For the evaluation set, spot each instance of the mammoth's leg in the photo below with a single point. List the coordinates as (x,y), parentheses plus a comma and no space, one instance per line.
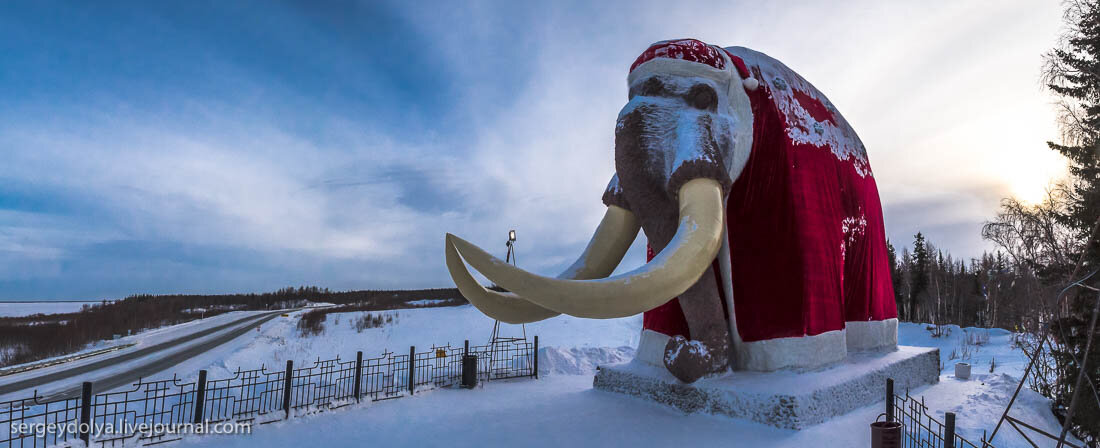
(708,351)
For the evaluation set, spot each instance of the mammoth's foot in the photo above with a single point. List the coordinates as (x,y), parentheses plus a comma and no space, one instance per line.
(689,360)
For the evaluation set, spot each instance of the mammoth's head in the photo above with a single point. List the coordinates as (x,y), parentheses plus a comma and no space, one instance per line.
(688,116)
(681,140)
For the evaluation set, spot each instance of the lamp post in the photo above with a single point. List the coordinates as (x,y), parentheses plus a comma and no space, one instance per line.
(495,339)
(511,256)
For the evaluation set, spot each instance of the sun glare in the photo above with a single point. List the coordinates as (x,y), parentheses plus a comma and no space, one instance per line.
(1030,184)
(1030,191)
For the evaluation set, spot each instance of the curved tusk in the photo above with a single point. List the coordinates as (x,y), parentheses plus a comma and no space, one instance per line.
(672,272)
(505,307)
(609,244)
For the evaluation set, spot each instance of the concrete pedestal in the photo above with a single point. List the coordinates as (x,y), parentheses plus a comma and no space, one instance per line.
(785,399)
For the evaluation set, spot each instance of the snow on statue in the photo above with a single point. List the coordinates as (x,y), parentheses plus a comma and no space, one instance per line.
(759,204)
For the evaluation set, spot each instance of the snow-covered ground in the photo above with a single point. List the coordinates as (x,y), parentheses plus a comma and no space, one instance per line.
(279,340)
(16,309)
(562,409)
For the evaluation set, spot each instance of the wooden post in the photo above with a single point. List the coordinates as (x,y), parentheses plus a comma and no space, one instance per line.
(465,353)
(949,430)
(889,399)
(200,397)
(358,373)
(85,428)
(286,386)
(412,369)
(536,373)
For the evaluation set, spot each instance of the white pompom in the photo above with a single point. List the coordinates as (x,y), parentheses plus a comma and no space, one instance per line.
(750,84)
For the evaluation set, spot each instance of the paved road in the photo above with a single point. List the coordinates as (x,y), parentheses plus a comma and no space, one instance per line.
(145,370)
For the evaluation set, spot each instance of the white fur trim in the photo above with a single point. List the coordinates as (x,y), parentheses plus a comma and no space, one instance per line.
(677,67)
(806,352)
(872,334)
(740,107)
(651,348)
(750,84)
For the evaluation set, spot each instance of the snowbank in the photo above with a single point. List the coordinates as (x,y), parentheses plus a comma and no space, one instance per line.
(581,360)
(279,340)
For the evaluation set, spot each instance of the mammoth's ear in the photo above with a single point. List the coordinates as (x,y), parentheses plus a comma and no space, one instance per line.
(613,194)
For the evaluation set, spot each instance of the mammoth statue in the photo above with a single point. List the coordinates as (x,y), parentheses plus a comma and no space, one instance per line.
(766,242)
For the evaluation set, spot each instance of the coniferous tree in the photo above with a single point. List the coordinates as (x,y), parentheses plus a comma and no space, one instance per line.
(921,262)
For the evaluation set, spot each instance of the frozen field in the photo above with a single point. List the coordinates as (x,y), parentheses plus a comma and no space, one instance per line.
(15,309)
(279,340)
(562,409)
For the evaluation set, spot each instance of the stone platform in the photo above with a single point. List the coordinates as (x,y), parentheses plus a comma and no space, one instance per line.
(785,399)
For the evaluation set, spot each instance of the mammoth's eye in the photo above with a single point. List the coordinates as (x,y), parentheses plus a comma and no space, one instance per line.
(652,87)
(702,96)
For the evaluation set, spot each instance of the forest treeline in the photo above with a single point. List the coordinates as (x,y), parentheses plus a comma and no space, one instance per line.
(31,338)
(933,286)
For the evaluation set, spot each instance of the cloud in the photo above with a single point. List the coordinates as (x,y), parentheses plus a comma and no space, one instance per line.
(222,149)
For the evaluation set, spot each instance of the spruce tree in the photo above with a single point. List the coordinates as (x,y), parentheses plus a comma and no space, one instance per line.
(921,261)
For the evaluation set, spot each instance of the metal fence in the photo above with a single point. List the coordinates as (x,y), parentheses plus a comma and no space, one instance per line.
(155,411)
(919,429)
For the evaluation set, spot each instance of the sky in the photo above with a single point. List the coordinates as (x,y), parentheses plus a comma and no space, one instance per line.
(216,147)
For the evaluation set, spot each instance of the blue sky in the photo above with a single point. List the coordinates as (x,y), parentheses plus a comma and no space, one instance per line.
(208,147)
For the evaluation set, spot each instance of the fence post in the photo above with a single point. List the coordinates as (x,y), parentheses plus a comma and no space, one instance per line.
(85,427)
(536,356)
(890,399)
(286,386)
(412,369)
(358,373)
(949,430)
(200,397)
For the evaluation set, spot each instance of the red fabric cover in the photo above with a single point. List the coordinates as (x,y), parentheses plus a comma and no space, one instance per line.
(742,69)
(807,241)
(687,49)
(668,318)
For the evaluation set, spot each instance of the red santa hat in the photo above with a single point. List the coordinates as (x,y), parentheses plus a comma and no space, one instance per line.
(691,57)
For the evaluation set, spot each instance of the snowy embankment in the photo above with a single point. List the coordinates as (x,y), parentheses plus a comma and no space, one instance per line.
(562,409)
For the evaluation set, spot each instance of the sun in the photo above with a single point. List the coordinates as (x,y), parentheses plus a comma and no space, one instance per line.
(1032,191)
(1031,175)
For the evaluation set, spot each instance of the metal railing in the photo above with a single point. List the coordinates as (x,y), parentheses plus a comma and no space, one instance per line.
(919,429)
(152,411)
